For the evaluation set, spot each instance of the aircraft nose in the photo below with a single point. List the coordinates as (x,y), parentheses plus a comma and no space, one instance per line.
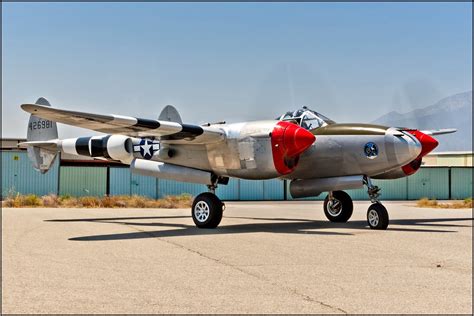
(296,140)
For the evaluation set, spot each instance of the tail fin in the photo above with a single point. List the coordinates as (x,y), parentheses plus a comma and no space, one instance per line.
(170,114)
(40,132)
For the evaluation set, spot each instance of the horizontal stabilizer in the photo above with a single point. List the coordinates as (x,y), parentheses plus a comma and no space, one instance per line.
(52,144)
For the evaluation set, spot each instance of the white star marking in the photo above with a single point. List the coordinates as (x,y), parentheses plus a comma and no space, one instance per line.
(146,148)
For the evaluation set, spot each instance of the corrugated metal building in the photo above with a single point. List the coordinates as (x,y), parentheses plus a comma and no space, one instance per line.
(83,181)
(91,177)
(19,176)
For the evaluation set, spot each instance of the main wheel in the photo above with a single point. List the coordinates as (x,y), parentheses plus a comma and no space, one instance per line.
(339,209)
(207,210)
(377,216)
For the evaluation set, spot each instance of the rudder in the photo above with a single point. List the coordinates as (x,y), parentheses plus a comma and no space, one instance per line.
(41,130)
(170,114)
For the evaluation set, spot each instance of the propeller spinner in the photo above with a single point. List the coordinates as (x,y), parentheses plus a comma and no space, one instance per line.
(288,142)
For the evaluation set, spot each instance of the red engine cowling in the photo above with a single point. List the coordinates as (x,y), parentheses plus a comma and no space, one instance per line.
(288,142)
(428,143)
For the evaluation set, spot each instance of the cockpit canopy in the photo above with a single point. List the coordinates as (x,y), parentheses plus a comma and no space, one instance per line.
(306,118)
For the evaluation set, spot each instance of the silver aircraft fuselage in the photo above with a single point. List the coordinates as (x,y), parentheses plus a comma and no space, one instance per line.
(338,150)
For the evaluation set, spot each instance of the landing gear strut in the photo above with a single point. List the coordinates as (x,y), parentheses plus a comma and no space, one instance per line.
(207,209)
(377,215)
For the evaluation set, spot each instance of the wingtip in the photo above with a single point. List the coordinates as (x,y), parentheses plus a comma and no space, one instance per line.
(33,107)
(28,107)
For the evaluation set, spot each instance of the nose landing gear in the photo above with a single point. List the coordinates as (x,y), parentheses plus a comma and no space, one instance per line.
(377,215)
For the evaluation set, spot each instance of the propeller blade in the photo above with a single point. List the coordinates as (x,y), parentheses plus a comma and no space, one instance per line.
(440,131)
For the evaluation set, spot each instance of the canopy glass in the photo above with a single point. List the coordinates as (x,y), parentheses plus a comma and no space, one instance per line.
(306,118)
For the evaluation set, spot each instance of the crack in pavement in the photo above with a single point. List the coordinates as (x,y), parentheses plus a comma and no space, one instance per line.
(257,276)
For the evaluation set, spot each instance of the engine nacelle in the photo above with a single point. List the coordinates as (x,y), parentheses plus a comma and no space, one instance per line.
(114,147)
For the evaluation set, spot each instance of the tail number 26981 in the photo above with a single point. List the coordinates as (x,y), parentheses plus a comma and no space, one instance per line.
(41,124)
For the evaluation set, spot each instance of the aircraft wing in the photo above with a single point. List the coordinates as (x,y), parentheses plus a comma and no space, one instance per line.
(440,131)
(170,132)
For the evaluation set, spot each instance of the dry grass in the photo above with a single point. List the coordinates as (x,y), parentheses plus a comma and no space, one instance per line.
(425,202)
(18,200)
(125,201)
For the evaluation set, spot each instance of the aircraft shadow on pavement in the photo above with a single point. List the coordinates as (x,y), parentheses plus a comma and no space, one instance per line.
(259,224)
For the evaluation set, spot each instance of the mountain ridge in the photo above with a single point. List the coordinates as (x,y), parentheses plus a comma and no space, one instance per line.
(454,111)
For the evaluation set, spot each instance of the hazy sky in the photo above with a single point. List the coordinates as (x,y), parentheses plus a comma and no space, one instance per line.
(232,61)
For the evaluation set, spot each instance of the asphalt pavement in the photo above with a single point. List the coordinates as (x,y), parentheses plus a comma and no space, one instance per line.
(265,257)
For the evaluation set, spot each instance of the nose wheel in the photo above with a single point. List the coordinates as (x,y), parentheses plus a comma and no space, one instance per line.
(377,215)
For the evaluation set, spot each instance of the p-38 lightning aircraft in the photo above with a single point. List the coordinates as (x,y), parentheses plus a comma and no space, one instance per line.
(310,150)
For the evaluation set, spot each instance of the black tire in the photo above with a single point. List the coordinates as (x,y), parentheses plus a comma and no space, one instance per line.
(207,210)
(340,210)
(377,216)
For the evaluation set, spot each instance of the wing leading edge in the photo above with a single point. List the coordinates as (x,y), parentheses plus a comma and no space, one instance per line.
(127,125)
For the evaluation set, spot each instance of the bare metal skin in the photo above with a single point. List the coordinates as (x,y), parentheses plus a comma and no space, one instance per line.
(315,153)
(246,153)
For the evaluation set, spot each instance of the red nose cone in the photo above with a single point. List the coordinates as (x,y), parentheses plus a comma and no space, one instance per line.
(288,142)
(428,143)
(296,139)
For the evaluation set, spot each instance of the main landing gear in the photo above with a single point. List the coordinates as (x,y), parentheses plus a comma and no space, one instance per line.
(338,207)
(207,209)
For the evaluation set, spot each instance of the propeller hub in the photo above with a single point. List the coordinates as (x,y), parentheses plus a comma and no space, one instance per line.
(428,143)
(288,142)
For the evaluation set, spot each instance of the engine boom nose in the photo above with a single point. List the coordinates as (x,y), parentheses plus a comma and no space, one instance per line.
(288,142)
(296,140)
(428,143)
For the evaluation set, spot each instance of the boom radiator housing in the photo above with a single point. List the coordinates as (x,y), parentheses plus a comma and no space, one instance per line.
(169,171)
(314,187)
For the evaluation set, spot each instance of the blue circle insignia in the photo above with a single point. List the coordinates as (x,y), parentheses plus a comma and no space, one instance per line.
(371,150)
